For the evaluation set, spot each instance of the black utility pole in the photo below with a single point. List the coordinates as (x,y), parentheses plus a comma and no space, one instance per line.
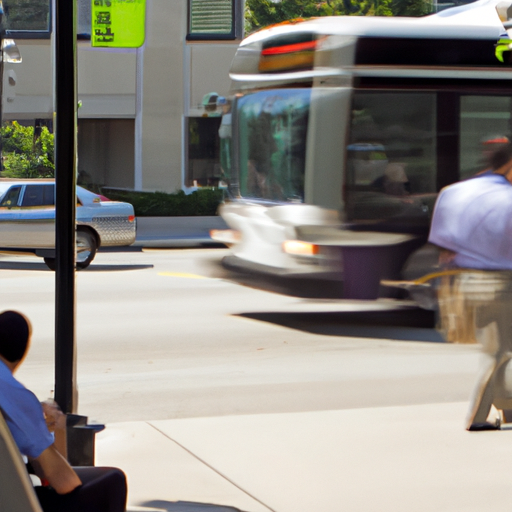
(2,36)
(65,203)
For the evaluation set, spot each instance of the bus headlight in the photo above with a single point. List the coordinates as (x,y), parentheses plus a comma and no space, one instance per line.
(299,248)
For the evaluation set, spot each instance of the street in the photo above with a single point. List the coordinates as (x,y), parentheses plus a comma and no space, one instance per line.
(161,334)
(220,397)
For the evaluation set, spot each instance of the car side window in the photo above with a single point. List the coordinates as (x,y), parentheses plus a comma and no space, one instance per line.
(11,197)
(39,195)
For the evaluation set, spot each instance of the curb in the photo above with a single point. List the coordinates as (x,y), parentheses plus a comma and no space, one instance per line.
(177,231)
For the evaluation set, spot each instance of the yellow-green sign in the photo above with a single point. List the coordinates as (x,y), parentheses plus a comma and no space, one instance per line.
(118,23)
(503,45)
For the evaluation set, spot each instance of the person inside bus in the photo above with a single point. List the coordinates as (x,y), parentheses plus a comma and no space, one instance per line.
(394,181)
(39,431)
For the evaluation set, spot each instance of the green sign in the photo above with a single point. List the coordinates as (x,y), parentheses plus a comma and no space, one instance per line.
(118,23)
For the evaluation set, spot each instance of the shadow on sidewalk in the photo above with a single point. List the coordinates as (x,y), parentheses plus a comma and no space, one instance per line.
(114,268)
(407,325)
(25,265)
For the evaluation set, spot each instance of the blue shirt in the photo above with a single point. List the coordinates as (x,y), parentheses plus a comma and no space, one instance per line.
(473,218)
(24,415)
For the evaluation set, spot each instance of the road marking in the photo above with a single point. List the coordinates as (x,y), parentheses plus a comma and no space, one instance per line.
(181,274)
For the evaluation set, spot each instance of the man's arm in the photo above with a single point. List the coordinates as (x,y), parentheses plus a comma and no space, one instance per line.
(56,423)
(52,464)
(54,468)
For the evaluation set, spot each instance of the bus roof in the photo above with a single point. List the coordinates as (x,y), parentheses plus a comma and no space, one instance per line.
(478,20)
(462,37)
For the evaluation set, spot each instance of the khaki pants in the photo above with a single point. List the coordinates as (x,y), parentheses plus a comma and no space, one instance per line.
(456,321)
(486,303)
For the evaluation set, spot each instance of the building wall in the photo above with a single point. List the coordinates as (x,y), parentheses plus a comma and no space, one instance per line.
(106,82)
(159,119)
(29,93)
(153,89)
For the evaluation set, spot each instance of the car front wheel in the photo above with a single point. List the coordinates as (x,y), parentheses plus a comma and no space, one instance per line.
(86,247)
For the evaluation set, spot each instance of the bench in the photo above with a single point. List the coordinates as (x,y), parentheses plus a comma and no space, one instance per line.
(16,490)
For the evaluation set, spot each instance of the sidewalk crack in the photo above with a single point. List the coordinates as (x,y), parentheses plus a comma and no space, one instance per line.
(212,468)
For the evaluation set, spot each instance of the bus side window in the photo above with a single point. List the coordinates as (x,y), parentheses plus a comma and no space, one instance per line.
(391,156)
(482,119)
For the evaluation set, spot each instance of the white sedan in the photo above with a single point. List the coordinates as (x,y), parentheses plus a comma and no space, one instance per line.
(27,221)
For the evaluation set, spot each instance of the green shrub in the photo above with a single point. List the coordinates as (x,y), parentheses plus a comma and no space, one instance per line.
(202,202)
(27,154)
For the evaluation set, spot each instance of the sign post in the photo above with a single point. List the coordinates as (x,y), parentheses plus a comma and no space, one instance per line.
(65,204)
(117,24)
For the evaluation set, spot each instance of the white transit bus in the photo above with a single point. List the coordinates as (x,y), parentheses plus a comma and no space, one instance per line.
(344,129)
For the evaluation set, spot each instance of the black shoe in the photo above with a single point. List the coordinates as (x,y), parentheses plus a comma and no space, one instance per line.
(476,427)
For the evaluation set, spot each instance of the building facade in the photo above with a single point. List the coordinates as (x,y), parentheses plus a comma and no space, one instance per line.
(143,122)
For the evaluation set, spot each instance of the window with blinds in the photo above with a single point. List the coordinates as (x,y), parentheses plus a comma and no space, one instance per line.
(211,19)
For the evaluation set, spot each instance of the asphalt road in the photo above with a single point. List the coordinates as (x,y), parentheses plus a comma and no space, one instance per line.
(164,334)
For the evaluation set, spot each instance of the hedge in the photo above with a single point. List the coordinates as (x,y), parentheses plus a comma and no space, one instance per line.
(202,202)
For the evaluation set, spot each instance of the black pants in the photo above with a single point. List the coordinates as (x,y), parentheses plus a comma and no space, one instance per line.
(102,490)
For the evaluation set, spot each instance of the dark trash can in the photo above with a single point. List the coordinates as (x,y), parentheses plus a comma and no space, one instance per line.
(81,440)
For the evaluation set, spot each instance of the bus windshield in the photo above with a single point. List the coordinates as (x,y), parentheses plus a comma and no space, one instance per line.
(272,131)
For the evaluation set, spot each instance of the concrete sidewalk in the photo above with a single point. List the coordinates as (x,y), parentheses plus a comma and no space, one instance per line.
(408,458)
(176,231)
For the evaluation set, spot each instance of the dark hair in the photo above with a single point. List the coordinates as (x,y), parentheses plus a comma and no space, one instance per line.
(14,335)
(501,156)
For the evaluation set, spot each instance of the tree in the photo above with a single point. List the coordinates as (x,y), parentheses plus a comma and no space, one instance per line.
(27,151)
(261,13)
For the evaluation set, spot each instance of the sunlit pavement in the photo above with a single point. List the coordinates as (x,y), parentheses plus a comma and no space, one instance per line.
(218,396)
(410,458)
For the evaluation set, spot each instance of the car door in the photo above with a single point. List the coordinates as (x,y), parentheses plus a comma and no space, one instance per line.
(27,216)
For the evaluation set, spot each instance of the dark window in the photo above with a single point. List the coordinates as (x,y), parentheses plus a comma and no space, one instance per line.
(27,18)
(388,51)
(39,195)
(484,120)
(204,161)
(391,173)
(214,19)
(404,146)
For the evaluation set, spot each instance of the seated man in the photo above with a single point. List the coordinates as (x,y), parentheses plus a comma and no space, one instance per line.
(88,489)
